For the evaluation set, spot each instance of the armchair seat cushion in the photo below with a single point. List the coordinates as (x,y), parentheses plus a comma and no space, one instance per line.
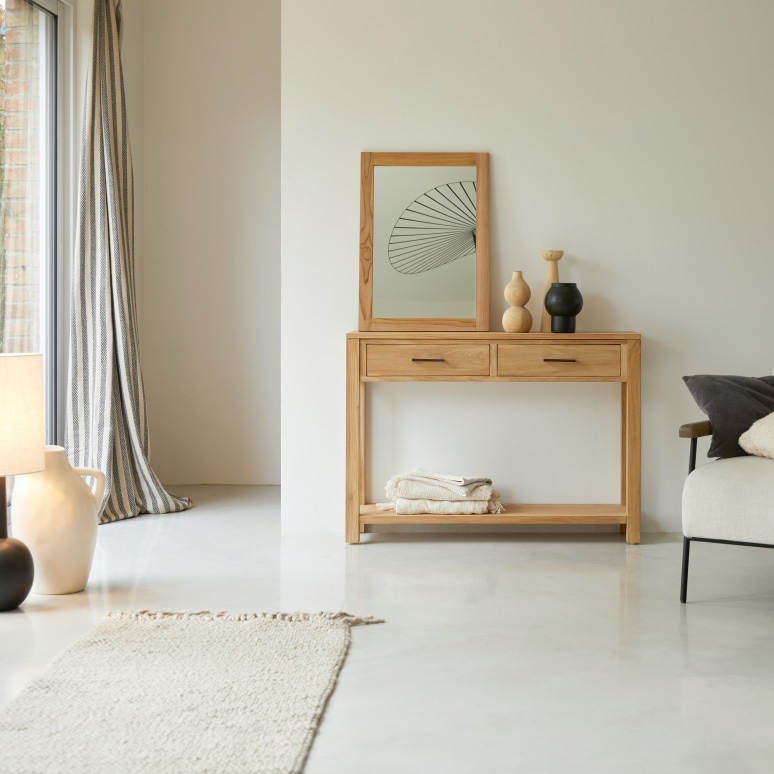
(731,499)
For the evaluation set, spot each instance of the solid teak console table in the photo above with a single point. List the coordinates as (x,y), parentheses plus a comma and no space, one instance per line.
(496,357)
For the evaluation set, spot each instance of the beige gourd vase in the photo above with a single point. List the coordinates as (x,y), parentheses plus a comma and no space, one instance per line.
(55,513)
(517,318)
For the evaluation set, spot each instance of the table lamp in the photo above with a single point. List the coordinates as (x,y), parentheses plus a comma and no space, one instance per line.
(21,451)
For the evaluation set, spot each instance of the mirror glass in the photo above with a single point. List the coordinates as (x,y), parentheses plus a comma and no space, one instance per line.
(424,254)
(424,242)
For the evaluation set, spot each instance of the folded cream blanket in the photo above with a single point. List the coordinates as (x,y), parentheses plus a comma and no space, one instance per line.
(415,488)
(423,492)
(460,486)
(406,506)
(449,478)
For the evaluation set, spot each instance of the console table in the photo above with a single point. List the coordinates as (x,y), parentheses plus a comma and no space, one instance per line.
(495,357)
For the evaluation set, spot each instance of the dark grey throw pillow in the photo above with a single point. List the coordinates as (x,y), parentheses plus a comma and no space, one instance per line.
(732,404)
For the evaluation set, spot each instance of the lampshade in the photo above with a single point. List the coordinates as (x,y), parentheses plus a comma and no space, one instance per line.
(22,435)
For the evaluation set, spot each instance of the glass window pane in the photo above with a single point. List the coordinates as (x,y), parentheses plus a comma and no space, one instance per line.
(27,178)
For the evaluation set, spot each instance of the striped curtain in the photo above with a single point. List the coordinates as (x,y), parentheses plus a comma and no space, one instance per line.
(106,423)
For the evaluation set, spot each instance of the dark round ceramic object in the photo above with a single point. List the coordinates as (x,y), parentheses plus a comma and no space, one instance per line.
(16,573)
(563,302)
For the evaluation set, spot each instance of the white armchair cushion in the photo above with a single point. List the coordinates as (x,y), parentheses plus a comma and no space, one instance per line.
(731,499)
(759,439)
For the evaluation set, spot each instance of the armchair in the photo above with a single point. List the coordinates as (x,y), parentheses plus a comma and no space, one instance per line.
(729,500)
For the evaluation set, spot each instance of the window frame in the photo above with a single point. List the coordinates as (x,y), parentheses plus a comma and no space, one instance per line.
(60,216)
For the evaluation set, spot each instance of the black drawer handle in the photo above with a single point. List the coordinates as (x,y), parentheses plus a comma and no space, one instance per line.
(428,359)
(559,360)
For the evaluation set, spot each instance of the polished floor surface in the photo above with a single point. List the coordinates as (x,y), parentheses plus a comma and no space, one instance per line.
(507,652)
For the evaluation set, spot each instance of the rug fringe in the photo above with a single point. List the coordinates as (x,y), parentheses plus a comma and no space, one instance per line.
(353,620)
(206,615)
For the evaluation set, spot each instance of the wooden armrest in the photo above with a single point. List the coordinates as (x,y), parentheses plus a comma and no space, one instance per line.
(696,429)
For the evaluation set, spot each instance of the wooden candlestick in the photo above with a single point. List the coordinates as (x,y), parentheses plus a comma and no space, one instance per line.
(552,275)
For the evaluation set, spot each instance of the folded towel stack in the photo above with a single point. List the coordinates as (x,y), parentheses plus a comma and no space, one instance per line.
(423,492)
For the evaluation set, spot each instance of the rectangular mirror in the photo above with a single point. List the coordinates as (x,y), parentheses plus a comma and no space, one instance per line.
(424,242)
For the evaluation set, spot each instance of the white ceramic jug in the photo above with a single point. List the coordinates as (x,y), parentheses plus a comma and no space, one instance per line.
(54,513)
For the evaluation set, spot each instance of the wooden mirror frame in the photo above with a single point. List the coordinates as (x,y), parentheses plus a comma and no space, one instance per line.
(370,160)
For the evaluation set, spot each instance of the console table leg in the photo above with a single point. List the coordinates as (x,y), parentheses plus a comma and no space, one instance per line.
(354,442)
(632,411)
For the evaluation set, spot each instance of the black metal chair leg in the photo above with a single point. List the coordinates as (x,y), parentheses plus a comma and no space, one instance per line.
(692,456)
(684,576)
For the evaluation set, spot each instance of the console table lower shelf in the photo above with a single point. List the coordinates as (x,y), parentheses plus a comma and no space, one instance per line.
(514,514)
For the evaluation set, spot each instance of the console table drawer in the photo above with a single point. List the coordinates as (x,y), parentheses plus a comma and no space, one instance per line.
(558,360)
(416,360)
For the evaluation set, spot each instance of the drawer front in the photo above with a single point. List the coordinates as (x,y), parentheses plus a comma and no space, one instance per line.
(417,360)
(559,360)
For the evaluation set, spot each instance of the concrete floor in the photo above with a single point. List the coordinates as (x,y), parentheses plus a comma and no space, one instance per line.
(504,652)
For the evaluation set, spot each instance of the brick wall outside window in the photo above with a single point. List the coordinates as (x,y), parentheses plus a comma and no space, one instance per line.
(20,186)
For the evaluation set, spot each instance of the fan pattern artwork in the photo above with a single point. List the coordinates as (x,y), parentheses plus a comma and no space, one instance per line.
(437,228)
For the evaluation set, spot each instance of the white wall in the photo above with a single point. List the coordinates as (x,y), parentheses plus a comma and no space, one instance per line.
(202,88)
(210,195)
(635,136)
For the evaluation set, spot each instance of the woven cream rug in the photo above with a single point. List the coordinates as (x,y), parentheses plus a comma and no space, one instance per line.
(180,692)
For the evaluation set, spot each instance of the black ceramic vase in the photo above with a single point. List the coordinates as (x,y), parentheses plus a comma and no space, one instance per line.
(16,573)
(563,302)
